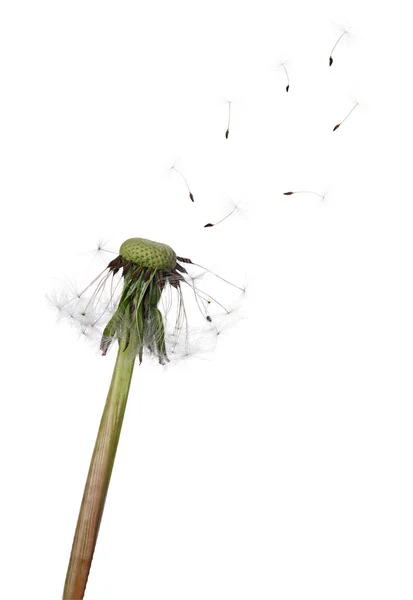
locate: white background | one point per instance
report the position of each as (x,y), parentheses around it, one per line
(280,466)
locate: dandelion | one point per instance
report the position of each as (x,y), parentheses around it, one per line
(139,275)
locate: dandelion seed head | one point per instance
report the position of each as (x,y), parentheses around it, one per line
(146,253)
(138,300)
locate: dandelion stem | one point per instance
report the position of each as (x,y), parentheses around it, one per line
(100,471)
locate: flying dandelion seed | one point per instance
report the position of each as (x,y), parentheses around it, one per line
(345,32)
(286,73)
(345,118)
(229,119)
(127,294)
(305,192)
(186,183)
(218,222)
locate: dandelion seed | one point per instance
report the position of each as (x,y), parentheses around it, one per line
(334,47)
(229,119)
(218,222)
(305,192)
(286,73)
(282,66)
(341,122)
(147,271)
(186,183)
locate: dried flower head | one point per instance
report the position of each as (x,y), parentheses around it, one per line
(127,297)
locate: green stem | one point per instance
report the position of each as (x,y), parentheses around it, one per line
(100,471)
